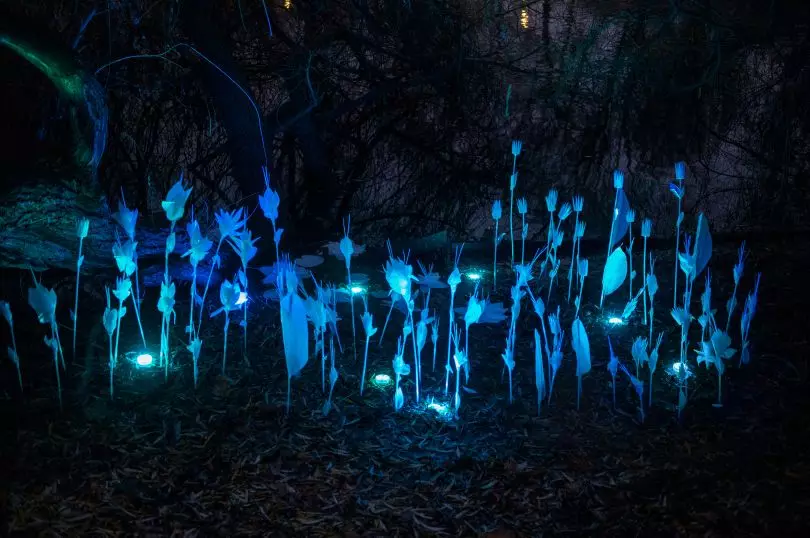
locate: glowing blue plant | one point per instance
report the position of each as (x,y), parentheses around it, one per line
(517,146)
(128,220)
(174,206)
(244,247)
(631,305)
(461,361)
(540,309)
(508,357)
(582,271)
(678,191)
(652,363)
(230,225)
(82,228)
(293,323)
(110,322)
(370,330)
(166,308)
(646,232)
(618,229)
(539,371)
(317,314)
(630,217)
(199,245)
(523,208)
(194,348)
(582,350)
(231,297)
(556,355)
(639,353)
(714,352)
(347,249)
(434,337)
(749,310)
(739,267)
(652,288)
(577,204)
(421,340)
(400,369)
(453,280)
(638,385)
(706,319)
(613,368)
(269,203)
(496,216)
(43,301)
(551,207)
(333,377)
(475,307)
(5,310)
(614,273)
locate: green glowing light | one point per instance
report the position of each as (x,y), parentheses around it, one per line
(382,380)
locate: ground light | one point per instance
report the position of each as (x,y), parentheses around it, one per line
(440,408)
(613,320)
(144,360)
(381,380)
(675,369)
(358,290)
(473,275)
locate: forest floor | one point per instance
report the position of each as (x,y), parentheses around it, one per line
(164,459)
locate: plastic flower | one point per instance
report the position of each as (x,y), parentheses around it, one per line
(680,170)
(630,216)
(231,296)
(199,245)
(580,229)
(677,190)
(230,223)
(126,218)
(175,203)
(43,301)
(551,200)
(125,256)
(166,301)
(513,181)
(522,206)
(517,146)
(497,212)
(244,246)
(646,228)
(565,211)
(269,200)
(618,179)
(578,202)
(123,289)
(82,228)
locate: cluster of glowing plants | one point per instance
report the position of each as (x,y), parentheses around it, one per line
(411,295)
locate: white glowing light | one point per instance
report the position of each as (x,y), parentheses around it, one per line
(357,290)
(242,298)
(144,360)
(473,276)
(382,380)
(438,407)
(613,320)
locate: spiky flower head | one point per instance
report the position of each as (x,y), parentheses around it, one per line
(565,211)
(680,170)
(517,146)
(646,227)
(230,223)
(578,203)
(551,200)
(522,206)
(269,200)
(630,216)
(580,229)
(497,211)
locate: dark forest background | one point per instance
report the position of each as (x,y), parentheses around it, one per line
(402,111)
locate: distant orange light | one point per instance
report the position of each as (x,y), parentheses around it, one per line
(524,18)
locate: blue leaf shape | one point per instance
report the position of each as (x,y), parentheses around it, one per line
(615,272)
(702,252)
(620,224)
